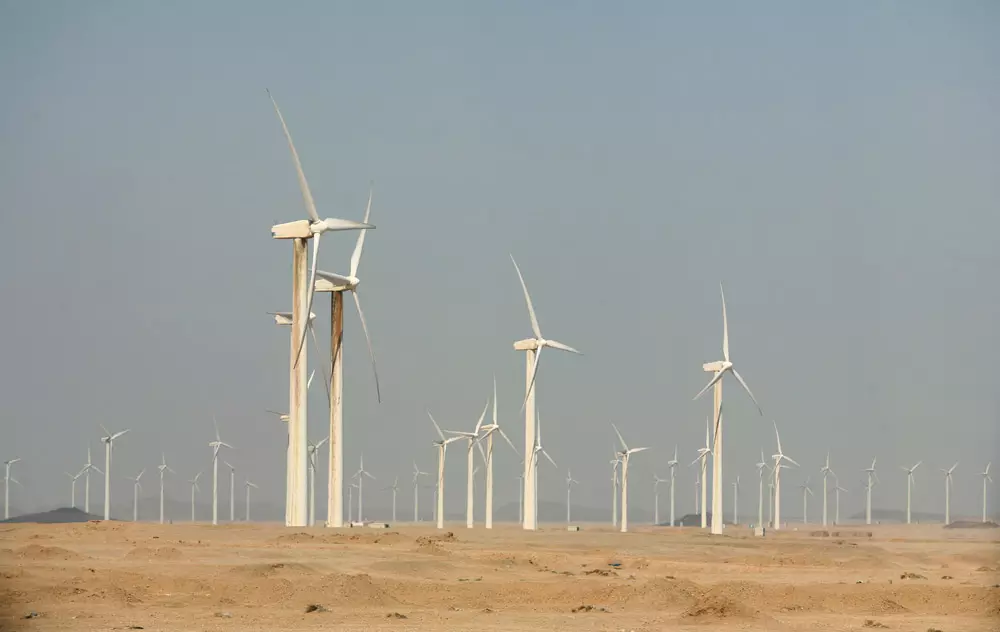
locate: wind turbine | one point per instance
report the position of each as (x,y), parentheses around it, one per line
(470,493)
(626,454)
(416,491)
(303,291)
(806,493)
(986,478)
(216,445)
(570,482)
(770,501)
(284,318)
(350,502)
(825,470)
(313,450)
(836,515)
(673,464)
(614,491)
(72,487)
(720,368)
(394,487)
(163,467)
(533,348)
(86,479)
(487,434)
(194,488)
(778,458)
(135,494)
(109,440)
(703,454)
(7,479)
(360,474)
(761,466)
(872,477)
(442,447)
(248,486)
(539,450)
(656,498)
(947,492)
(336,285)
(736,500)
(909,485)
(232,491)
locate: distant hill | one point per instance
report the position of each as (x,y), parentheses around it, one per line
(899,515)
(55,516)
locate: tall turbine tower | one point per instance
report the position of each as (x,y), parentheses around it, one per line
(872,479)
(672,463)
(88,466)
(533,348)
(163,467)
(487,435)
(442,447)
(825,470)
(313,450)
(617,461)
(303,290)
(761,466)
(656,498)
(539,450)
(232,491)
(194,488)
(778,458)
(736,500)
(836,515)
(909,486)
(947,492)
(720,368)
(216,445)
(136,486)
(703,454)
(416,491)
(248,486)
(570,482)
(337,285)
(806,493)
(72,487)
(7,480)
(470,492)
(360,475)
(626,455)
(109,440)
(986,478)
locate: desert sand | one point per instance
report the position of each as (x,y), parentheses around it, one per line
(122,576)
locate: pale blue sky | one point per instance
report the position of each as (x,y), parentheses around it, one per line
(837,166)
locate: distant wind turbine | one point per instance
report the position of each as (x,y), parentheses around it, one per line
(986,478)
(470,494)
(761,466)
(909,486)
(539,450)
(806,493)
(656,498)
(248,486)
(109,440)
(487,435)
(7,480)
(703,454)
(163,467)
(872,479)
(232,491)
(614,489)
(360,474)
(394,487)
(626,454)
(778,458)
(570,482)
(736,500)
(672,463)
(442,447)
(837,490)
(194,488)
(89,465)
(825,470)
(313,449)
(216,445)
(947,492)
(72,492)
(136,486)
(416,491)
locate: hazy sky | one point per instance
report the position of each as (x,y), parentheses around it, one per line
(836,165)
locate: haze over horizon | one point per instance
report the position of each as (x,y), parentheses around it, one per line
(835,166)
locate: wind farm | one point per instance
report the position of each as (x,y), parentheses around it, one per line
(705,221)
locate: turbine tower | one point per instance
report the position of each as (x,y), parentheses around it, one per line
(216,445)
(135,494)
(416,491)
(360,475)
(539,450)
(947,492)
(72,487)
(656,498)
(394,487)
(909,486)
(872,478)
(194,488)
(470,492)
(533,348)
(109,440)
(614,490)
(232,491)
(720,368)
(313,450)
(163,467)
(442,447)
(986,478)
(806,493)
(736,500)
(836,515)
(87,467)
(672,463)
(626,455)
(337,285)
(7,480)
(487,434)
(761,466)
(570,482)
(778,458)
(825,470)
(248,486)
(303,290)
(703,454)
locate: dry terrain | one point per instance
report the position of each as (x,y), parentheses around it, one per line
(124,576)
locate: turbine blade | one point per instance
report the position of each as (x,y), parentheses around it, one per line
(436,426)
(747,389)
(725,326)
(790,460)
(534,372)
(776,435)
(507,439)
(371,352)
(495,406)
(549,458)
(624,445)
(322,365)
(303,185)
(558,345)
(312,292)
(527,299)
(359,246)
(481,417)
(711,383)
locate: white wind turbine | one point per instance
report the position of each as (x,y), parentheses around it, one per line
(360,475)
(350,502)
(248,486)
(770,501)
(909,486)
(672,463)
(761,466)
(416,491)
(86,481)
(109,440)
(533,348)
(313,451)
(7,480)
(194,488)
(470,493)
(986,478)
(216,445)
(539,450)
(163,467)
(284,318)
(394,487)
(872,479)
(136,486)
(336,285)
(703,454)
(442,447)
(303,291)
(570,482)
(947,492)
(614,489)
(778,458)
(736,500)
(626,454)
(836,514)
(806,493)
(825,470)
(72,488)
(656,498)
(487,435)
(232,491)
(720,368)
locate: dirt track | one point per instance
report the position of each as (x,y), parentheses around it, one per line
(101,576)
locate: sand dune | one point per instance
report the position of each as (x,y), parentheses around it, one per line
(100,576)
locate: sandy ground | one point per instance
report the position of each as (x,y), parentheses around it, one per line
(121,576)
